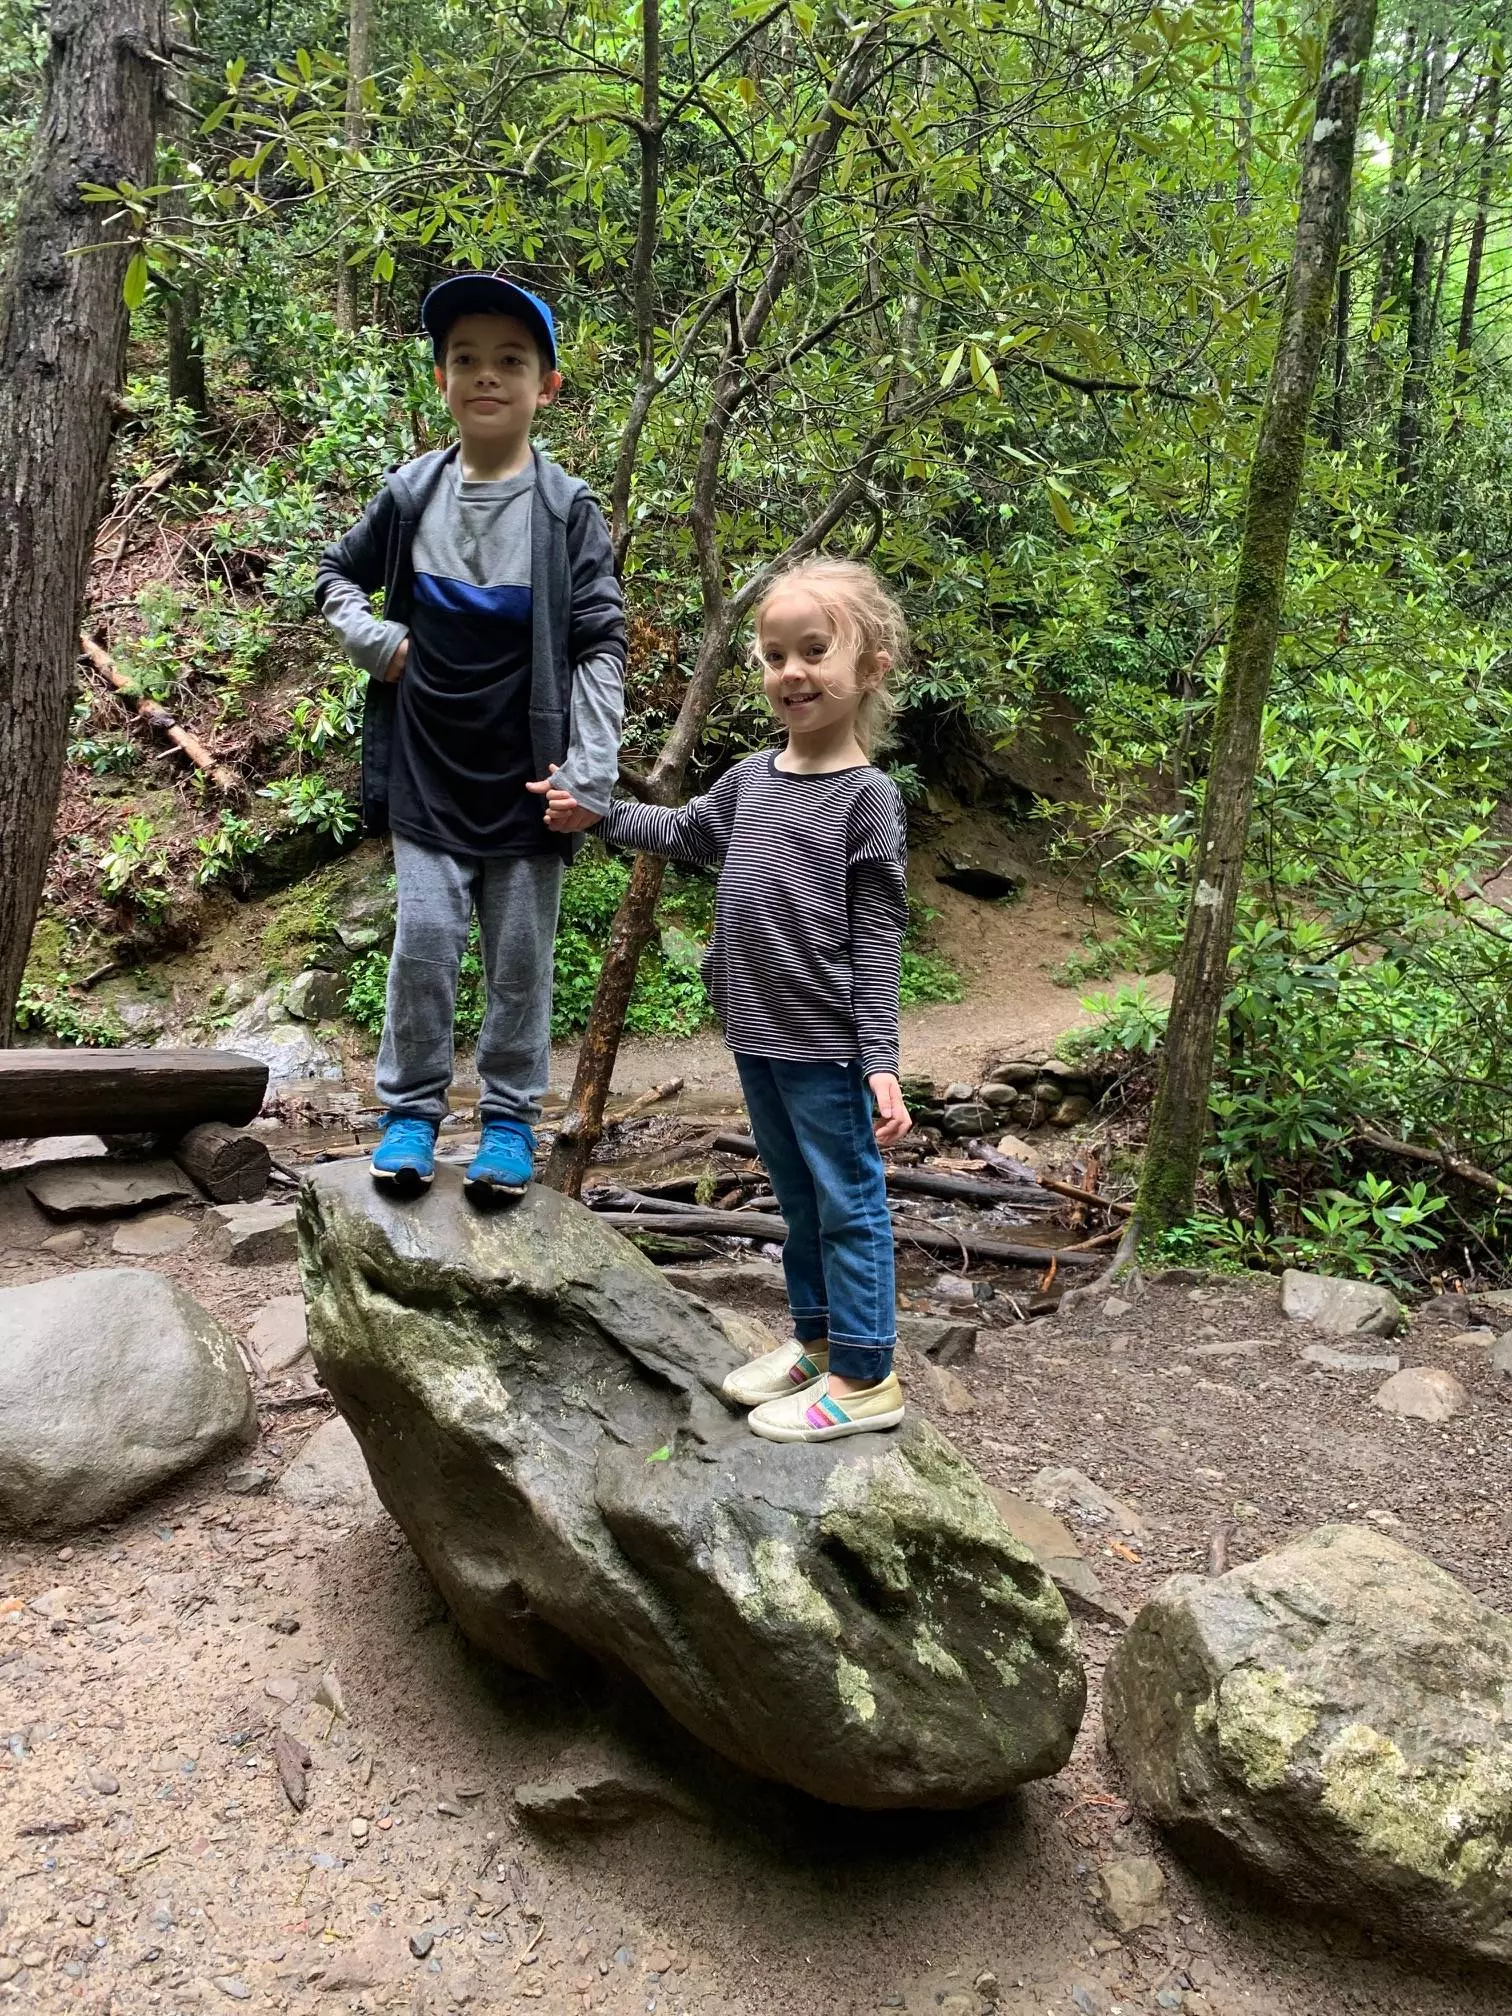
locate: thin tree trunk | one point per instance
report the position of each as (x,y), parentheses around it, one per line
(1475,255)
(1179,1123)
(186,349)
(1420,289)
(1339,401)
(354,132)
(1246,96)
(582,1124)
(1396,189)
(62,351)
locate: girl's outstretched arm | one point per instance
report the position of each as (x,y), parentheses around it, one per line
(698,831)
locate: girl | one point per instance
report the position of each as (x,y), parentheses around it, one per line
(803,970)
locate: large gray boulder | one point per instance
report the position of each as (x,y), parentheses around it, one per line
(539,1410)
(112,1382)
(1337,1715)
(1347,1308)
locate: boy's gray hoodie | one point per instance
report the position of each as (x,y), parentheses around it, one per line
(577,623)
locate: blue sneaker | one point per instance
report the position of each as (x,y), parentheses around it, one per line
(504,1163)
(405,1159)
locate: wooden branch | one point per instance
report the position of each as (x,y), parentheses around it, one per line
(160,718)
(668,1089)
(929,1238)
(1438,1158)
(1081,1196)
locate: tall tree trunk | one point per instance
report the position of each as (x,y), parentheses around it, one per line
(582,1123)
(1403,125)
(186,348)
(1168,1187)
(62,352)
(1475,255)
(1246,100)
(354,132)
(1420,286)
(1339,399)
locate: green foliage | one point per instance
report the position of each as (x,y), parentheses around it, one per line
(227,849)
(1129,1024)
(49,1009)
(134,864)
(669,997)
(315,802)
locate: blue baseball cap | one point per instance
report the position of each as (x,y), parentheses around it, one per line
(486,294)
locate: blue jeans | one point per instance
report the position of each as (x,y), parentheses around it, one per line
(813,1129)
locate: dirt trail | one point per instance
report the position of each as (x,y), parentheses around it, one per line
(1004,953)
(135,1669)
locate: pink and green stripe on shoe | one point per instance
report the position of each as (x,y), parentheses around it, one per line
(817,1415)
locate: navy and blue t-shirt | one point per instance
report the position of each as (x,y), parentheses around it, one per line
(462,749)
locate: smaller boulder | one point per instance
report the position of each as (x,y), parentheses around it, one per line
(1017,1072)
(954,1095)
(278,1336)
(1344,1307)
(1072,1111)
(1132,1893)
(1002,1098)
(330,1471)
(1072,1489)
(154,1237)
(315,996)
(1023,1152)
(744,1332)
(1334,1360)
(252,1235)
(962,1122)
(1501,1358)
(112,1382)
(86,1188)
(594,1789)
(1423,1393)
(943,1340)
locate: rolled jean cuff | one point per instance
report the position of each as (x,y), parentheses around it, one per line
(871,1362)
(810,1326)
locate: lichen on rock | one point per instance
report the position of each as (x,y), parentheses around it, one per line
(1336,1716)
(541,1411)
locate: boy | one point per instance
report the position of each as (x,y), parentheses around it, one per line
(500,654)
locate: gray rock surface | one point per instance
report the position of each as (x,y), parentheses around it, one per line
(1132,1893)
(315,996)
(330,1471)
(111,1383)
(1073,1491)
(1332,1359)
(254,1235)
(1501,1358)
(152,1237)
(944,1340)
(278,1335)
(1344,1307)
(1423,1393)
(594,1788)
(89,1188)
(540,1412)
(1054,1546)
(1335,1715)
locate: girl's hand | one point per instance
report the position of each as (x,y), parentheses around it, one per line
(563,812)
(393,672)
(893,1120)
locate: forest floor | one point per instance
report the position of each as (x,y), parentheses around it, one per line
(150,1862)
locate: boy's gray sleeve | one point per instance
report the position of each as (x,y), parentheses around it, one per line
(348,573)
(598,714)
(367,639)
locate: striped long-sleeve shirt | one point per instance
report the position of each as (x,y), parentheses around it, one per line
(811,909)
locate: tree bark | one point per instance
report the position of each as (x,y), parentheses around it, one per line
(62,350)
(1404,127)
(1339,400)
(1246,97)
(582,1123)
(1179,1122)
(186,349)
(1420,286)
(354,132)
(1476,252)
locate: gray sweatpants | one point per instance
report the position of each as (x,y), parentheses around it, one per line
(516,898)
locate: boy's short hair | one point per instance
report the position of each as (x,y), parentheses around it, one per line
(487,294)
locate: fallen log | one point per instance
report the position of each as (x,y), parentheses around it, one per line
(231,1167)
(923,1183)
(159,717)
(126,1091)
(669,1089)
(1439,1158)
(769,1230)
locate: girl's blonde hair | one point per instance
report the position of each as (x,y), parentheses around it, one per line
(865,622)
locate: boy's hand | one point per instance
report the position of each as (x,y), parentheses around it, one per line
(893,1120)
(563,812)
(393,672)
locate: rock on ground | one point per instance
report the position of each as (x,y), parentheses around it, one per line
(1423,1393)
(85,1188)
(154,1237)
(1335,1716)
(329,1470)
(111,1383)
(253,1235)
(1344,1307)
(278,1335)
(540,1412)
